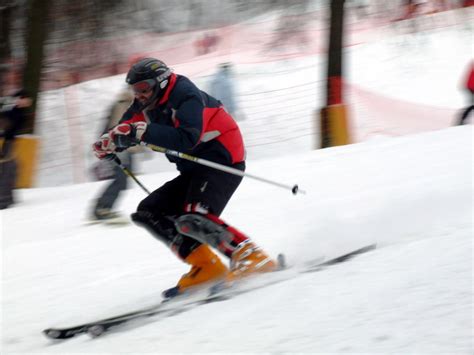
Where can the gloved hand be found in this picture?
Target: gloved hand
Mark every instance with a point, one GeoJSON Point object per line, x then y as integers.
{"type": "Point", "coordinates": [126, 135]}
{"type": "Point", "coordinates": [104, 147]}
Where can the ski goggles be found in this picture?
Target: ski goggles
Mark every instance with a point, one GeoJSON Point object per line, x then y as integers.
{"type": "Point", "coordinates": [144, 86]}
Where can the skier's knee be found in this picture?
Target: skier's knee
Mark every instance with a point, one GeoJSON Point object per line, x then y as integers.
{"type": "Point", "coordinates": [142, 217]}
{"type": "Point", "coordinates": [161, 226]}
{"type": "Point", "coordinates": [201, 228]}
{"type": "Point", "coordinates": [149, 218]}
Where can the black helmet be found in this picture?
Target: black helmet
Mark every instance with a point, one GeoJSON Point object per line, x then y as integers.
{"type": "Point", "coordinates": [154, 72]}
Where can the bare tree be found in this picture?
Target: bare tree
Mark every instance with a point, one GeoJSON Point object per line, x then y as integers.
{"type": "Point", "coordinates": [36, 34]}
{"type": "Point", "coordinates": [6, 9]}
{"type": "Point", "coordinates": [5, 20]}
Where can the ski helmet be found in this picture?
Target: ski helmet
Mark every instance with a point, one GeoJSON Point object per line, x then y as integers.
{"type": "Point", "coordinates": [149, 73]}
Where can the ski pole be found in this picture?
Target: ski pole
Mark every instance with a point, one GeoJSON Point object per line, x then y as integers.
{"type": "Point", "coordinates": [127, 172]}
{"type": "Point", "coordinates": [294, 189]}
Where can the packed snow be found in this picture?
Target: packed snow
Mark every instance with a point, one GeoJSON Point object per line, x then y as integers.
{"type": "Point", "coordinates": [410, 194]}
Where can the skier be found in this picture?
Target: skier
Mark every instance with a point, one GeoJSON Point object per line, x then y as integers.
{"type": "Point", "coordinates": [171, 112]}
{"type": "Point", "coordinates": [222, 87]}
{"type": "Point", "coordinates": [12, 118]}
{"type": "Point", "coordinates": [102, 209]}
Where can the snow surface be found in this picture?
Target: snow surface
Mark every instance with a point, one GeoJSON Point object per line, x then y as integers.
{"type": "Point", "coordinates": [412, 195]}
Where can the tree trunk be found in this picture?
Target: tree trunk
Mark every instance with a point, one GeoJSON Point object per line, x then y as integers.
{"type": "Point", "coordinates": [5, 21]}
{"type": "Point", "coordinates": [5, 49]}
{"type": "Point", "coordinates": [36, 34]}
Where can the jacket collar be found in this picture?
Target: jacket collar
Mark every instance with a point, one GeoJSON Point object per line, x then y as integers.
{"type": "Point", "coordinates": [168, 89]}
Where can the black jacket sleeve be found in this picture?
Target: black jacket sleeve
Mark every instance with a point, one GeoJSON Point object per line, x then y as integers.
{"type": "Point", "coordinates": [188, 126]}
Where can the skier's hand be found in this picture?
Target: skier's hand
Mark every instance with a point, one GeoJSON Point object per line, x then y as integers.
{"type": "Point", "coordinates": [104, 147]}
{"type": "Point", "coordinates": [126, 135]}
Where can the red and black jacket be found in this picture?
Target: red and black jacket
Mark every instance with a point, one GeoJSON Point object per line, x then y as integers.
{"type": "Point", "coordinates": [189, 120]}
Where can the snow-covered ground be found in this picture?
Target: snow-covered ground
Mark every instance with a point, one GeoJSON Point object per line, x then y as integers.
{"type": "Point", "coordinates": [411, 194]}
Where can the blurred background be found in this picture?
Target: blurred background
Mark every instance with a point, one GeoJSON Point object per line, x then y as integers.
{"type": "Point", "coordinates": [290, 62]}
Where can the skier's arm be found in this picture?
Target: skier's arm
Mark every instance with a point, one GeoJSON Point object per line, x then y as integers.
{"type": "Point", "coordinates": [188, 124]}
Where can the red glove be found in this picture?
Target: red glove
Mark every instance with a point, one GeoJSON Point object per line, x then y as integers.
{"type": "Point", "coordinates": [103, 147]}
{"type": "Point", "coordinates": [125, 135]}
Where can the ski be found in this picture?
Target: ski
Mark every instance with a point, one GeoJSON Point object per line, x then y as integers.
{"type": "Point", "coordinates": [216, 292]}
{"type": "Point", "coordinates": [114, 222]}
{"type": "Point", "coordinates": [224, 291]}
{"type": "Point", "coordinates": [96, 328]}
{"type": "Point", "coordinates": [339, 259]}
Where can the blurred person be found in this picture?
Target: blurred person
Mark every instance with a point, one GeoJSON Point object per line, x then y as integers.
{"type": "Point", "coordinates": [222, 88]}
{"type": "Point", "coordinates": [12, 118]}
{"type": "Point", "coordinates": [171, 112]}
{"type": "Point", "coordinates": [105, 169]}
{"type": "Point", "coordinates": [470, 90]}
{"type": "Point", "coordinates": [103, 207]}
{"type": "Point", "coordinates": [411, 9]}
{"type": "Point", "coordinates": [206, 44]}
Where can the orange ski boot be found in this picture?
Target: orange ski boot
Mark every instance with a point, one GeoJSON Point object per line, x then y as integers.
{"type": "Point", "coordinates": [248, 259]}
{"type": "Point", "coordinates": [206, 267]}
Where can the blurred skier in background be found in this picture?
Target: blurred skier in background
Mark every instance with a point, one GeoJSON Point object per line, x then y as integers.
{"type": "Point", "coordinates": [103, 207]}
{"type": "Point", "coordinates": [12, 118]}
{"type": "Point", "coordinates": [222, 88]}
{"type": "Point", "coordinates": [171, 112]}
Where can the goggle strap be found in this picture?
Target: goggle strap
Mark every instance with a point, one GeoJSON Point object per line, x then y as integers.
{"type": "Point", "coordinates": [163, 76]}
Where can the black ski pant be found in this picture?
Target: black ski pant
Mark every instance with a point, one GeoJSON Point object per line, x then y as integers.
{"type": "Point", "coordinates": [204, 190]}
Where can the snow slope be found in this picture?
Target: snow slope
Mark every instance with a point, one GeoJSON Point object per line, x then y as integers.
{"type": "Point", "coordinates": [411, 195]}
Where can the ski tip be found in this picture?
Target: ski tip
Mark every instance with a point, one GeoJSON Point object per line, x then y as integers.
{"type": "Point", "coordinates": [171, 293]}
{"type": "Point", "coordinates": [52, 333]}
